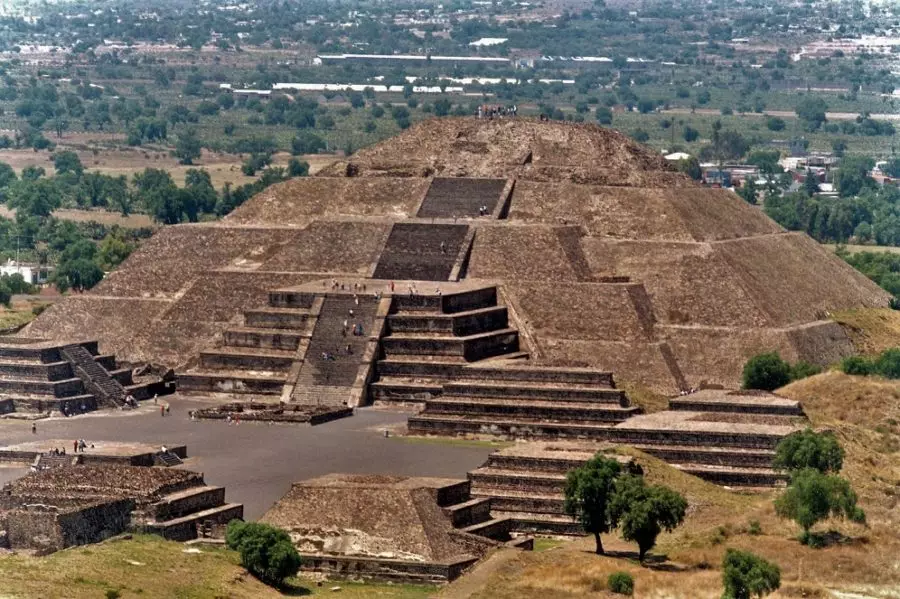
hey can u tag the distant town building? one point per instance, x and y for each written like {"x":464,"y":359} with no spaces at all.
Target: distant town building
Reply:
{"x":32,"y":273}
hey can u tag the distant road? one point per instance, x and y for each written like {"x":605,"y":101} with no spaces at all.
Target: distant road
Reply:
{"x":833,"y":116}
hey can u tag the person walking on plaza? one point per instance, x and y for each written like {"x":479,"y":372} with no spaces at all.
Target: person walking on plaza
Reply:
{"x":33,"y":428}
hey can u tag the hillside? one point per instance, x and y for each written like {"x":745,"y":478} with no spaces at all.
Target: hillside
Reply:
{"x":864,"y":560}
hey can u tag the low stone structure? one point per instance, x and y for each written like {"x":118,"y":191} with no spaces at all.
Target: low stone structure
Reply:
{"x":42,"y":453}
{"x":274,"y":412}
{"x":55,"y":508}
{"x":389,"y":527}
{"x":38,"y":377}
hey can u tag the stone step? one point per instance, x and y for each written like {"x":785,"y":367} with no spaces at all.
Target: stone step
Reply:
{"x":262,"y":338}
{"x":535,"y":391}
{"x":542,"y":463}
{"x":404,"y":390}
{"x":276,"y":318}
{"x":530,"y":408}
{"x":517,"y":428}
{"x":542,"y":524}
{"x":413,"y":366}
{"x":584,"y":377}
{"x":53,"y":371}
{"x":496,"y":528}
{"x":733,"y":476}
{"x":184,"y":528}
{"x":247,"y":359}
{"x":311,"y":394}
{"x":464,"y":323}
{"x":509,"y":500}
{"x":472,"y":347}
{"x":473,"y":511}
{"x":60,"y":388}
{"x":517,"y":480}
{"x":232,"y":382}
{"x":773,"y":408}
{"x":714,"y":456}
{"x":187,"y":502}
{"x":631,"y":435}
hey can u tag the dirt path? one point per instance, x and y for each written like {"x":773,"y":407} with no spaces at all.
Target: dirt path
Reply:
{"x":475,"y":580}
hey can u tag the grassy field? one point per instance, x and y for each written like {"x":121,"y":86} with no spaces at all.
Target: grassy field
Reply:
{"x":150,"y":567}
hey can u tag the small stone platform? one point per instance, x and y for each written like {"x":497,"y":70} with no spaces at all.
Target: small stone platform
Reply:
{"x":275,"y":412}
{"x":390,"y":527}
{"x":96,"y":452}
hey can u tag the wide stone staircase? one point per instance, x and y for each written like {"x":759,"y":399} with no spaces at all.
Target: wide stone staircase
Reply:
{"x":181,"y":511}
{"x":333,"y":357}
{"x":108,"y":391}
{"x":430,"y":339}
{"x":37,"y":375}
{"x":254,"y":358}
{"x":473,"y":515}
{"x":420,"y":252}
{"x":459,"y":197}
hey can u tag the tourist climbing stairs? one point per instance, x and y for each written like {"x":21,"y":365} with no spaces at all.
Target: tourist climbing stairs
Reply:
{"x":461,"y":197}
{"x":420,"y":252}
{"x":336,"y":350}
{"x":95,"y":377}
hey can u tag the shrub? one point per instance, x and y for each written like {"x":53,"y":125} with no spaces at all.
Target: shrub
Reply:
{"x":754,"y":528}
{"x":888,"y":363}
{"x":621,"y":583}
{"x":857,"y":365}
{"x":746,"y":575}
{"x":802,"y":369}
{"x":766,"y":372}
{"x":809,"y":449}
{"x":266,"y":551}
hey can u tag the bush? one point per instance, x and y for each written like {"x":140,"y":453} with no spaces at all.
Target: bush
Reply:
{"x":857,"y":365}
{"x":888,"y":363}
{"x":766,"y":372}
{"x":746,"y":575}
{"x":754,"y":528}
{"x":621,"y":583}
{"x":809,"y":449}
{"x":266,"y":551}
{"x":802,"y":369}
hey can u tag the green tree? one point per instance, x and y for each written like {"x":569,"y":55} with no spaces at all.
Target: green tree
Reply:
{"x":809,"y":449}
{"x":266,"y":551}
{"x":746,"y":575}
{"x":199,"y":184}
{"x":156,"y":190}
{"x":811,"y":183}
{"x":604,"y":115}
{"x":587,"y":493}
{"x":642,"y":512}
{"x":7,"y":175}
{"x":441,"y":107}
{"x":773,"y":123}
{"x":297,"y":168}
{"x":857,"y":365}
{"x":812,"y":497}
{"x":766,"y":372}
{"x":887,"y":364}
{"x":188,"y":147}
{"x":67,"y":162}
{"x":812,"y":112}
{"x":690,"y":167}
{"x":35,"y":198}
{"x":307,"y":142}
{"x":748,"y":191}
{"x":77,"y":268}
{"x":113,"y":251}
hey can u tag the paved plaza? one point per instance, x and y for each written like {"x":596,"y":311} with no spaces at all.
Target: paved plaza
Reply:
{"x":257,"y":462}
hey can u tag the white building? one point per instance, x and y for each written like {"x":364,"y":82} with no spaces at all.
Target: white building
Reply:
{"x":32,"y":273}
